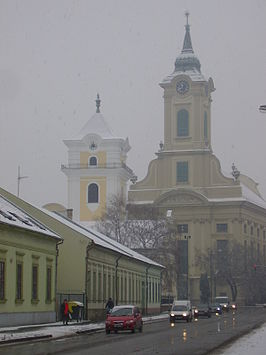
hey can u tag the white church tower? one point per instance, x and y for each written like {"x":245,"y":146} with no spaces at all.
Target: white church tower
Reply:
{"x":96,"y":168}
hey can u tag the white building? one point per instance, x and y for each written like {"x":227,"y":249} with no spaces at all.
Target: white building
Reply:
{"x":96,"y":168}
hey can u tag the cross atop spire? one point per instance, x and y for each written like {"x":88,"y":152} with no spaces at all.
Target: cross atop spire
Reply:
{"x":187,"y":44}
{"x":187,"y":59}
{"x":98,"y":103}
{"x":187,"y":14}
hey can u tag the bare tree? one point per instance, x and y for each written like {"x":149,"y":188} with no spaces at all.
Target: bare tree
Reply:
{"x":112,"y":223}
{"x":237,"y":267}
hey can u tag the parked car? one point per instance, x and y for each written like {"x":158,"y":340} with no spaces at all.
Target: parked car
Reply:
{"x":202,"y":310}
{"x":216,"y":308}
{"x":181,"y":310}
{"x":126,"y":317}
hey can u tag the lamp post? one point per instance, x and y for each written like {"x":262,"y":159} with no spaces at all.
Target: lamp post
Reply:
{"x":182,"y":229}
{"x":187,"y":237}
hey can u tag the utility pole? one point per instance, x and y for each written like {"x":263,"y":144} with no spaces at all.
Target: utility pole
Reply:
{"x":20,"y":178}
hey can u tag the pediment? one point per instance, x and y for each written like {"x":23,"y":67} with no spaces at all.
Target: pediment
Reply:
{"x":171,"y":198}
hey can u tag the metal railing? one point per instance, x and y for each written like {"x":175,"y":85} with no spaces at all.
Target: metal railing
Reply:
{"x":98,"y":166}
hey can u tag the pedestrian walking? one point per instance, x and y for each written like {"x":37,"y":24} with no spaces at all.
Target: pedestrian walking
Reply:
{"x":65,"y":312}
{"x":109,"y":305}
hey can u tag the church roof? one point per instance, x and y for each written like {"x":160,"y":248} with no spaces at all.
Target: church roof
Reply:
{"x":187,"y":62}
{"x":96,"y":125}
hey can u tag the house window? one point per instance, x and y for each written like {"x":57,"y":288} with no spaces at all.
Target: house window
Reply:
{"x":182,"y":228}
{"x":258,"y":232}
{"x":245,"y":228}
{"x":251,"y":230}
{"x":2,"y":280}
{"x":182,"y":123}
{"x":221,"y":228}
{"x":182,"y":171}
{"x":19,"y":281}
{"x":205,"y":125}
{"x":93,"y":193}
{"x":49,"y":284}
{"x":94,"y":286}
{"x":34,"y":294}
{"x":93,"y":161}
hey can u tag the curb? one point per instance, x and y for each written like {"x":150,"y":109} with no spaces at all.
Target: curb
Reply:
{"x":17,"y":340}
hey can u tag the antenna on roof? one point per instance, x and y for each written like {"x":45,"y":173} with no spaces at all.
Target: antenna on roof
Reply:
{"x":20,"y":178}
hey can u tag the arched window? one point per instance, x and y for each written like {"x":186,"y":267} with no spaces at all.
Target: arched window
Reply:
{"x":205,"y":125}
{"x":93,"y":161}
{"x":93,"y":193}
{"x":182,"y":123}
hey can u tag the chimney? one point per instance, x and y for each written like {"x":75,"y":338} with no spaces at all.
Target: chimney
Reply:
{"x":69,"y":212}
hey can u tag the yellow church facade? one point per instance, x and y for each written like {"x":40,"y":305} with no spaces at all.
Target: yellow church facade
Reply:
{"x":210,"y":211}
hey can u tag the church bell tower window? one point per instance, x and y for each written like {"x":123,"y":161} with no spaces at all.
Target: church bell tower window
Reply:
{"x":182,"y":123}
{"x":92,"y":161}
{"x":93,"y":193}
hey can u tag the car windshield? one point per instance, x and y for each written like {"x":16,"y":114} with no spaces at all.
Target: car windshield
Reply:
{"x":122,"y":312}
{"x":215,"y":305}
{"x":202,"y":306}
{"x":179,"y":308}
{"x":222,"y":299}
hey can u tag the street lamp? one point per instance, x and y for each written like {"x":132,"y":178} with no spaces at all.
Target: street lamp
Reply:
{"x":187,"y":237}
{"x":262,"y":108}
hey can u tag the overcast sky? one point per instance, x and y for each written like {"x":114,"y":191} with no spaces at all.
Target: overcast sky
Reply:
{"x":55,"y":55}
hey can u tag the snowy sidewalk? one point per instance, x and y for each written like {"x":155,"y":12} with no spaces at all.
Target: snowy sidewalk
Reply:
{"x":57,"y":330}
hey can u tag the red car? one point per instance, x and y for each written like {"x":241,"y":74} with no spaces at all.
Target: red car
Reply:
{"x":126,"y":317}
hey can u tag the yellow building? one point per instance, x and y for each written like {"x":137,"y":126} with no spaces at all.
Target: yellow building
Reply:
{"x":96,"y":168}
{"x":93,"y":267}
{"x":185,"y":181}
{"x":28,"y":261}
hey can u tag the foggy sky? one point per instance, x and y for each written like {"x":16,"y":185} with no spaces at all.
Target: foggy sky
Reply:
{"x":55,"y":55}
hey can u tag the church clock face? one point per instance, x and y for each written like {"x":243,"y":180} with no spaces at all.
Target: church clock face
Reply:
{"x":182,"y":87}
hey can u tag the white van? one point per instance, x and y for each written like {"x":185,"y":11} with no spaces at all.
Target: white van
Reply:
{"x":223,"y":302}
{"x":181,"y":310}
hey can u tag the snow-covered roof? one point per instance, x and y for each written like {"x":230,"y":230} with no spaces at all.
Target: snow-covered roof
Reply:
{"x":13,"y":216}
{"x":193,"y":74}
{"x":247,"y":196}
{"x":101,"y":239}
{"x":252,"y":197}
{"x":96,"y":125}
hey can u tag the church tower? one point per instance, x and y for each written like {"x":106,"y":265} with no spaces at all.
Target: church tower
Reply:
{"x":187,"y":117}
{"x":207,"y":210}
{"x":96,"y":168}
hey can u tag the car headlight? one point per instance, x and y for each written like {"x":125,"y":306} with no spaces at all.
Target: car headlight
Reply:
{"x":196,"y":311}
{"x":172,"y":314}
{"x":233,"y":306}
{"x":130,"y":321}
{"x":218,"y":308}
{"x":184,"y":314}
{"x":225,"y":305}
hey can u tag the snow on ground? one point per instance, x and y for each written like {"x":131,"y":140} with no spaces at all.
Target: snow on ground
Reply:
{"x":252,"y":343}
{"x":57,"y":330}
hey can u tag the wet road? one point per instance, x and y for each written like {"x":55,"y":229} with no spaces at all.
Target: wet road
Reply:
{"x":161,"y":338}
